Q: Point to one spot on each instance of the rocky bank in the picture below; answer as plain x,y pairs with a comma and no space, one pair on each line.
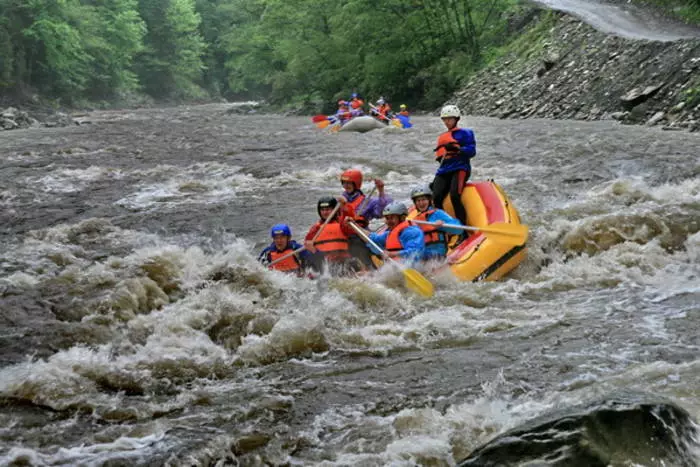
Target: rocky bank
562,68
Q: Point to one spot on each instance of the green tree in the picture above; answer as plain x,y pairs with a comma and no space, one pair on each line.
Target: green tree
171,64
113,34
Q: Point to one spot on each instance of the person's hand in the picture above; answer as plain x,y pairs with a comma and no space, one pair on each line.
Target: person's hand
439,223
379,183
310,246
342,201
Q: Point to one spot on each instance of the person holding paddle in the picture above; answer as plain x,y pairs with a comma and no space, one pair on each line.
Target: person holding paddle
382,110
436,233
328,239
280,248
401,240
455,148
365,207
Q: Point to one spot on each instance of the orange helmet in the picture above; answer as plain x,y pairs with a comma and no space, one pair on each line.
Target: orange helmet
354,176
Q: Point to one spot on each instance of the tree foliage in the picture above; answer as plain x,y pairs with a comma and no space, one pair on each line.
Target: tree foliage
302,51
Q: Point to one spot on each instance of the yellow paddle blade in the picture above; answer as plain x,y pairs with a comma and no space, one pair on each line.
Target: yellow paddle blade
509,234
335,128
323,124
396,122
418,283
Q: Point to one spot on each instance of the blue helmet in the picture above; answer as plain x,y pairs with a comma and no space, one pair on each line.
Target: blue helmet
353,95
280,229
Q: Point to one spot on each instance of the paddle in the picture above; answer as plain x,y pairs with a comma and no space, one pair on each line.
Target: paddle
387,117
414,279
364,201
319,118
299,250
510,234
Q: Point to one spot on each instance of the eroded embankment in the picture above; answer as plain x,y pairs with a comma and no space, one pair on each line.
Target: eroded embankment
562,68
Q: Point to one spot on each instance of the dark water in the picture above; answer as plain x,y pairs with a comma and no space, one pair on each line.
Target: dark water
138,329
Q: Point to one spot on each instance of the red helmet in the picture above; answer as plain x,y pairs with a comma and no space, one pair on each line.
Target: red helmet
354,176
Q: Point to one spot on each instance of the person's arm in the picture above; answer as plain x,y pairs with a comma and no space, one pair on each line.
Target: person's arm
375,206
264,256
379,239
302,255
467,142
308,243
446,219
413,241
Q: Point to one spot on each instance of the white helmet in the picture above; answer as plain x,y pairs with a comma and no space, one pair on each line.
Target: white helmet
421,190
450,111
396,208
381,101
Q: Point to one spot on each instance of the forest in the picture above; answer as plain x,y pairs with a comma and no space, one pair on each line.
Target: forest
290,53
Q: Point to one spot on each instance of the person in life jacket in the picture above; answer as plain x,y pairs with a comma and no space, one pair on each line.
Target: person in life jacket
401,240
382,110
282,244
455,148
403,110
436,237
365,209
343,112
356,105
332,245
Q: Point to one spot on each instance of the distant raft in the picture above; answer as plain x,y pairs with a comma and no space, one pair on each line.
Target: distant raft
362,124
482,256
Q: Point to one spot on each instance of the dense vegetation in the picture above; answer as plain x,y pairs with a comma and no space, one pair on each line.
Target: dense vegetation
302,52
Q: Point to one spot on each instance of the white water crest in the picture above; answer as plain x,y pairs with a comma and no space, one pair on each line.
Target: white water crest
138,326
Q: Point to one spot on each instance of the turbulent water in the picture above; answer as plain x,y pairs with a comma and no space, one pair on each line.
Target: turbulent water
137,327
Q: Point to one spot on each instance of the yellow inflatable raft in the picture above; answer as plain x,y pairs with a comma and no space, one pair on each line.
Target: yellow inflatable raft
483,257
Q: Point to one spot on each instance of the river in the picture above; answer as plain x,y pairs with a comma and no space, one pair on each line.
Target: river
138,328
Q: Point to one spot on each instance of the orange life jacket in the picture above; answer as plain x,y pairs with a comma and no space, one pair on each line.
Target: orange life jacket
431,232
356,103
290,264
445,139
383,109
393,243
361,220
333,242
404,113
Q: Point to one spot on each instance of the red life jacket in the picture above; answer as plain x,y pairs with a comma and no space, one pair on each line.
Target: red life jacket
431,232
361,220
445,139
290,264
393,243
356,103
333,242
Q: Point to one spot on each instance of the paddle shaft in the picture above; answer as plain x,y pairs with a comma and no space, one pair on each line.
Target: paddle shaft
299,250
364,201
413,279
366,238
466,227
387,115
450,226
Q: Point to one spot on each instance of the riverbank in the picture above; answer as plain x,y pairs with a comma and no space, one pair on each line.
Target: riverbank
562,68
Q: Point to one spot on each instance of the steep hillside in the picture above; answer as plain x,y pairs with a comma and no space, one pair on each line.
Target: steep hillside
562,68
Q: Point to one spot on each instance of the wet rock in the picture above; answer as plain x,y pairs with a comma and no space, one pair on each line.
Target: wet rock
624,429
638,95
656,118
